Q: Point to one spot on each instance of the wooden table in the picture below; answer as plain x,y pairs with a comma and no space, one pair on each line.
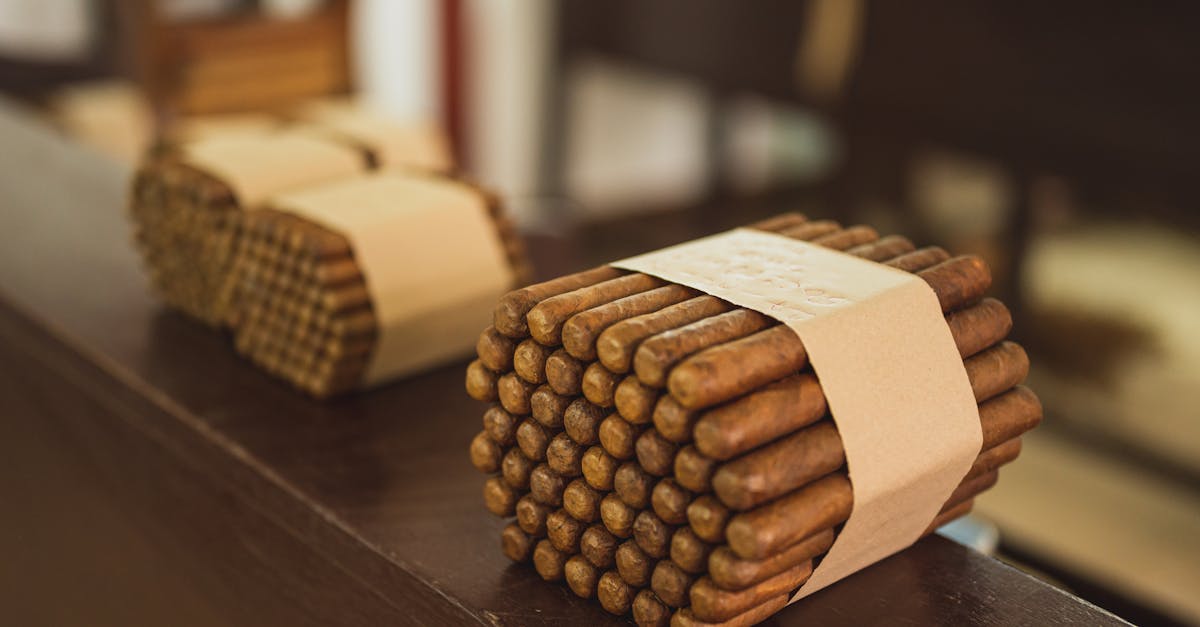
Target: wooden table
152,477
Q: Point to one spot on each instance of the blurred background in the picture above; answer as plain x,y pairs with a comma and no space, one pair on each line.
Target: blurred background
1058,140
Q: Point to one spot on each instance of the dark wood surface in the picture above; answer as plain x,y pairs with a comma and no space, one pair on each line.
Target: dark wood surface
152,477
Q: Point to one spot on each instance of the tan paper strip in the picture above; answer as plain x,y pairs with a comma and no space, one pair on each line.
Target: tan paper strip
433,263
893,378
257,166
419,145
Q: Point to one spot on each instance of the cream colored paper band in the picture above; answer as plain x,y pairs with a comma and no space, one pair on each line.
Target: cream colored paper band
433,263
417,145
886,361
257,166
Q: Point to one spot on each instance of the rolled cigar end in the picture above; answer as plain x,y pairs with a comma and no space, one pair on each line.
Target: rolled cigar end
581,576
708,518
529,361
485,454
618,437
516,468
980,326
634,565
634,401
713,604
759,417
598,546
958,281
564,456
515,393
546,486
531,516
582,421
997,369
499,498
548,407
564,532
548,561
694,470
725,371
600,385
617,516
481,382
515,543
633,485
652,535
649,611
753,616
599,468
730,572
500,426
1009,415
564,373
614,594
533,439
779,467
669,501
655,453
674,421
670,583
689,552
581,501
495,350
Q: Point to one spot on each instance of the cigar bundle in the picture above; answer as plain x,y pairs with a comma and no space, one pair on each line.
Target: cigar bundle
186,203
306,302
672,455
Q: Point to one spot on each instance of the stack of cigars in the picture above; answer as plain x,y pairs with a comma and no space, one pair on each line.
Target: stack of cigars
671,455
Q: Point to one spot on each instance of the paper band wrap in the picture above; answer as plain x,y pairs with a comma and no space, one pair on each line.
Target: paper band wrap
429,254
886,361
417,145
257,166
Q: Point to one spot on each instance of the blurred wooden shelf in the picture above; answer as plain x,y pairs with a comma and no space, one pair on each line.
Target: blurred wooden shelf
154,478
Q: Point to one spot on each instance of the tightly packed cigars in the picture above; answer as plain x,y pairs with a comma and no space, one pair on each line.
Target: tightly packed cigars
363,280
672,455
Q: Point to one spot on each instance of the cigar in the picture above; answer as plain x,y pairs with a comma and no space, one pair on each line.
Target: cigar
599,385
649,611
689,551
515,543
581,576
509,315
634,401
617,516
545,320
614,594
481,382
548,407
730,572
495,350
515,393
753,616
546,486
548,561
710,603
653,536
485,454
499,498
598,546
531,516
533,439
633,565
708,518
887,247
581,501
619,438
564,456
633,485
694,470
582,421
564,532
529,361
669,501
671,584
515,468
655,453
848,238
727,370
615,346
564,373
599,468
919,259
579,333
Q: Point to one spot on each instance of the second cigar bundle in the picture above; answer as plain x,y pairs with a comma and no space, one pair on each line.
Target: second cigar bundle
673,455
